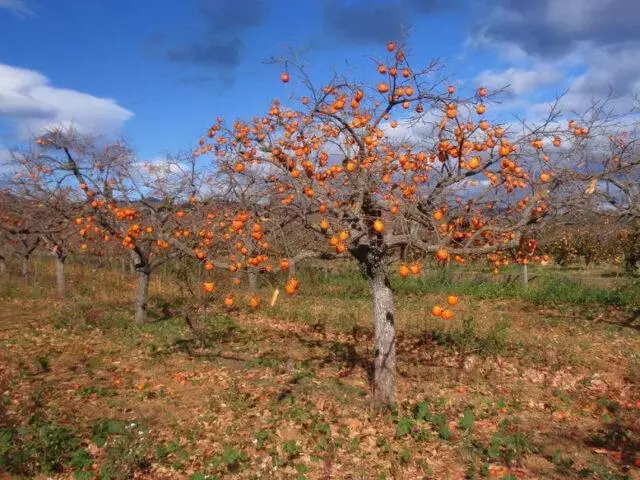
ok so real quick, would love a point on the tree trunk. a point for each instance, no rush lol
(132, 264)
(3, 266)
(631, 263)
(25, 267)
(253, 280)
(60, 275)
(384, 381)
(524, 276)
(142, 296)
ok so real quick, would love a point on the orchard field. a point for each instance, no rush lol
(536, 382)
(385, 268)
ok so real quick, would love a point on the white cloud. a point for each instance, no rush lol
(412, 131)
(160, 167)
(31, 104)
(609, 72)
(574, 16)
(19, 7)
(507, 51)
(588, 48)
(519, 80)
(5, 156)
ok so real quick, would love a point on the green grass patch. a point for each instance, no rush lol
(546, 288)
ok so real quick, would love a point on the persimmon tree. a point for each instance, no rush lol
(59, 209)
(406, 164)
(5, 252)
(616, 191)
(173, 210)
(573, 240)
(136, 205)
(104, 197)
(21, 224)
(598, 216)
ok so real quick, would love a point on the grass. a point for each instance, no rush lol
(545, 289)
(536, 383)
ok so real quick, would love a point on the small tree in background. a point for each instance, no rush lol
(175, 209)
(618, 191)
(124, 201)
(57, 209)
(22, 224)
(600, 204)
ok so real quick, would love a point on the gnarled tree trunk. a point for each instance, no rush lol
(60, 284)
(384, 360)
(25, 267)
(253, 280)
(132, 263)
(142, 294)
(524, 275)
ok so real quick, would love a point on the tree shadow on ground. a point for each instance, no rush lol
(632, 320)
(620, 435)
(619, 439)
(338, 351)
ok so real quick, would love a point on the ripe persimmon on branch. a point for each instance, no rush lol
(453, 184)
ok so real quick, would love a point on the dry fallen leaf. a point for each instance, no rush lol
(354, 426)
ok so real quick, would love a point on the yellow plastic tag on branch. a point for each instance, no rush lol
(274, 296)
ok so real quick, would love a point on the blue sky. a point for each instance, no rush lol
(160, 72)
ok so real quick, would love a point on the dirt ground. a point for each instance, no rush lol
(507, 389)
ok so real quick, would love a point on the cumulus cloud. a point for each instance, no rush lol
(30, 103)
(611, 68)
(519, 80)
(5, 156)
(594, 45)
(414, 132)
(18, 7)
(611, 74)
(160, 166)
(556, 27)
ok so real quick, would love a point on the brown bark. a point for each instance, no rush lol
(142, 296)
(25, 267)
(60, 283)
(524, 276)
(384, 380)
(132, 263)
(253, 280)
